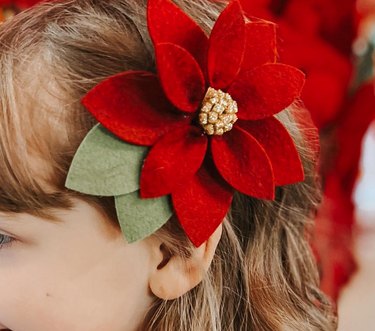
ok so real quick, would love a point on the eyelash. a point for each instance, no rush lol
(5, 241)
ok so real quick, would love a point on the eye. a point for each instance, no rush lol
(5, 241)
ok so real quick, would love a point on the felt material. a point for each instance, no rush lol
(280, 148)
(266, 90)
(202, 204)
(146, 109)
(181, 77)
(226, 46)
(174, 159)
(243, 163)
(104, 165)
(168, 23)
(260, 44)
(125, 104)
(140, 218)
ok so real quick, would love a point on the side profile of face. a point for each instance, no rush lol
(81, 275)
(78, 274)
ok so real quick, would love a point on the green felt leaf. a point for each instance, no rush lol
(104, 165)
(140, 218)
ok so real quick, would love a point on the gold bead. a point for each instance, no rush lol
(210, 129)
(203, 118)
(218, 112)
(212, 117)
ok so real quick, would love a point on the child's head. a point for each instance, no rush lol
(69, 266)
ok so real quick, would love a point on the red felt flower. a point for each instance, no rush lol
(208, 114)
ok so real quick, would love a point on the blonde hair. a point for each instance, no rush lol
(263, 275)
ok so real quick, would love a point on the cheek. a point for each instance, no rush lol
(86, 286)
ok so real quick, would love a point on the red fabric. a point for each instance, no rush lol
(333, 238)
(260, 44)
(180, 76)
(134, 106)
(328, 73)
(125, 104)
(243, 163)
(333, 21)
(315, 37)
(226, 46)
(174, 159)
(202, 204)
(336, 220)
(332, 94)
(359, 114)
(280, 148)
(168, 23)
(258, 8)
(266, 90)
(322, 18)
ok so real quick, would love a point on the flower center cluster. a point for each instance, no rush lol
(218, 112)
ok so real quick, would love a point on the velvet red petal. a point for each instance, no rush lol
(132, 105)
(202, 204)
(226, 46)
(174, 159)
(243, 163)
(280, 148)
(266, 90)
(168, 23)
(181, 77)
(260, 44)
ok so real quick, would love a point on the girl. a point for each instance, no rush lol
(64, 263)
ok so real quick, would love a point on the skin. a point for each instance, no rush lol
(75, 275)
(81, 275)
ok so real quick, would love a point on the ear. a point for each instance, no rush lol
(175, 275)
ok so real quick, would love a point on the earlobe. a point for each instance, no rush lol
(175, 275)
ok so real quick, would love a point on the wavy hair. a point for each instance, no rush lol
(263, 275)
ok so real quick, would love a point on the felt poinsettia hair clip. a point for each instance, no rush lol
(182, 140)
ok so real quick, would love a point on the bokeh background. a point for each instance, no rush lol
(333, 42)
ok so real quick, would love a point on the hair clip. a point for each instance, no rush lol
(184, 139)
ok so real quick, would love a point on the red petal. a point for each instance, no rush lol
(174, 159)
(266, 90)
(132, 105)
(258, 8)
(260, 44)
(180, 76)
(243, 163)
(280, 148)
(226, 46)
(201, 205)
(168, 23)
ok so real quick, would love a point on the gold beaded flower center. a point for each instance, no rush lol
(218, 112)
